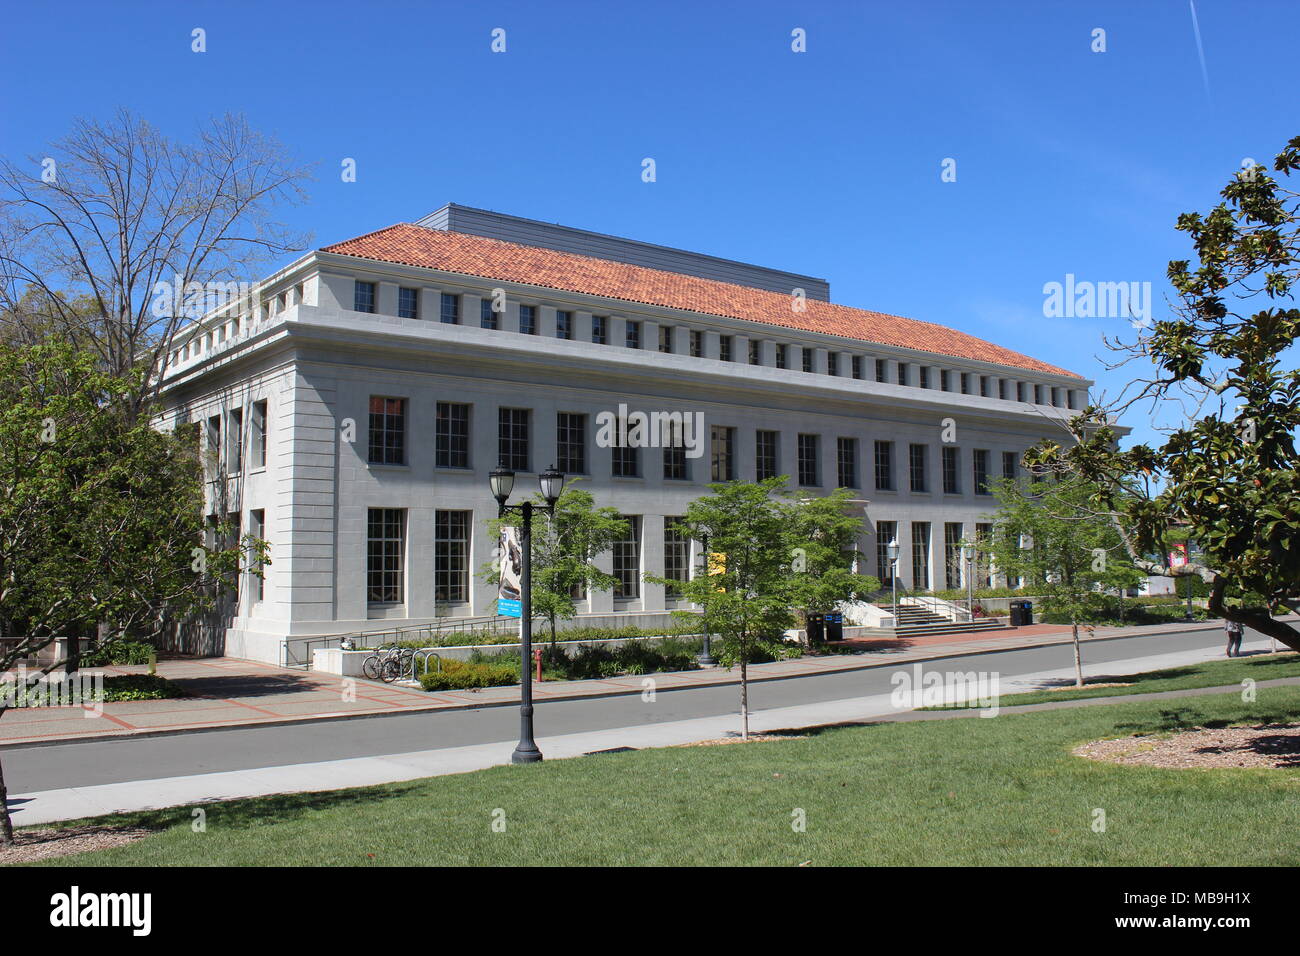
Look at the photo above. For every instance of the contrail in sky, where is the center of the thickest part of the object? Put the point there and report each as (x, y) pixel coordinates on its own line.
(1200, 49)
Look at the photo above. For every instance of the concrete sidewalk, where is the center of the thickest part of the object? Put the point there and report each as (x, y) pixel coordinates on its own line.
(234, 693)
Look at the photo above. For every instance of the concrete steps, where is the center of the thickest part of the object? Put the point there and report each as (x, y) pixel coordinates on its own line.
(915, 621)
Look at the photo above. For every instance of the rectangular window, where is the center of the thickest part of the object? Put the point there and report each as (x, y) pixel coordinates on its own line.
(920, 555)
(945, 380)
(807, 449)
(677, 467)
(697, 343)
(885, 465)
(918, 467)
(600, 329)
(627, 560)
(855, 364)
(832, 363)
(408, 303)
(1038, 395)
(807, 359)
(387, 430)
(882, 370)
(1010, 465)
(952, 569)
(1002, 389)
(724, 348)
(257, 436)
(563, 324)
(633, 338)
(450, 309)
(666, 338)
(571, 443)
(923, 371)
(451, 435)
(1022, 389)
(512, 438)
(755, 356)
(1009, 538)
(846, 455)
(235, 440)
(451, 557)
(723, 442)
(214, 440)
(626, 462)
(984, 386)
(363, 296)
(901, 371)
(677, 556)
(765, 460)
(528, 319)
(886, 532)
(781, 351)
(980, 466)
(983, 559)
(965, 383)
(487, 317)
(951, 471)
(257, 582)
(385, 555)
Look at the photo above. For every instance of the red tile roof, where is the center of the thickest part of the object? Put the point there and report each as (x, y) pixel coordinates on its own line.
(530, 265)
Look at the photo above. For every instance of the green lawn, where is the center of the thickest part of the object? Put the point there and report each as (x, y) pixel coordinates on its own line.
(1207, 674)
(967, 791)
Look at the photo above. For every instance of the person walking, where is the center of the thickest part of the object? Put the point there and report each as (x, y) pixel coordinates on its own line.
(1234, 630)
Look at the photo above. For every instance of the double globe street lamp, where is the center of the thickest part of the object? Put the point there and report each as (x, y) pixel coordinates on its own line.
(501, 482)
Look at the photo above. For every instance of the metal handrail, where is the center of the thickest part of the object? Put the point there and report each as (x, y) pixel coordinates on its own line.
(364, 640)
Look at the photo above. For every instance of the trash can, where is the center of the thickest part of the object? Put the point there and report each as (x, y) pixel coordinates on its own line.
(834, 627)
(816, 628)
(1022, 613)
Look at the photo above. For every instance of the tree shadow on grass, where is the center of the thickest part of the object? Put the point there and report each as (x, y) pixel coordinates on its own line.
(248, 812)
(1187, 718)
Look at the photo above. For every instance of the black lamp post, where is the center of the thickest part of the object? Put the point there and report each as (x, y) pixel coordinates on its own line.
(705, 657)
(502, 481)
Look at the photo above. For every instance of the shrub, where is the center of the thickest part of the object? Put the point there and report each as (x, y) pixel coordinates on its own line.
(118, 652)
(140, 687)
(117, 687)
(463, 675)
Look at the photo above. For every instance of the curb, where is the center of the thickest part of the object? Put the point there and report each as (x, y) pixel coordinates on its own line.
(754, 678)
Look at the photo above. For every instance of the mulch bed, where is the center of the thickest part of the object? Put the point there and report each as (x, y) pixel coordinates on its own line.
(1266, 746)
(753, 738)
(32, 845)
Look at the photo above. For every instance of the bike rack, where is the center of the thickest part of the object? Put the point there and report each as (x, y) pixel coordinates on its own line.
(424, 656)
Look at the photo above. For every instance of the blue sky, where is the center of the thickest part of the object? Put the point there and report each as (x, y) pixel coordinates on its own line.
(826, 162)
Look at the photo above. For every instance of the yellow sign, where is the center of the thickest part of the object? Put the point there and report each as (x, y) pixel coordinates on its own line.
(717, 564)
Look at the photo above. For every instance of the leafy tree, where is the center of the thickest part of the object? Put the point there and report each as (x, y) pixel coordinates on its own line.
(824, 533)
(1225, 369)
(747, 594)
(565, 547)
(1048, 533)
(100, 514)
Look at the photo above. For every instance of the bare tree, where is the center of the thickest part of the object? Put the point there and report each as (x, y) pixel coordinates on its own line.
(120, 234)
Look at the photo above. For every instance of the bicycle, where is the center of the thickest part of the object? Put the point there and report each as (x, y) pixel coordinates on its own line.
(389, 663)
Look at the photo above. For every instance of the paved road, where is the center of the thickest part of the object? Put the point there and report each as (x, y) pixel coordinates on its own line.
(108, 761)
